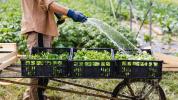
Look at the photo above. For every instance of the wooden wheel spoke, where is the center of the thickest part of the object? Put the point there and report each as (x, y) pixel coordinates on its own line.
(130, 90)
(125, 96)
(148, 93)
(143, 89)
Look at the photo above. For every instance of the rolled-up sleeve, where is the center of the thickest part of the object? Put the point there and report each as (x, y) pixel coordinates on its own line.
(38, 18)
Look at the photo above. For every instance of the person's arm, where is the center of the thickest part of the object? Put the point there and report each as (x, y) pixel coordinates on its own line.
(58, 8)
(75, 15)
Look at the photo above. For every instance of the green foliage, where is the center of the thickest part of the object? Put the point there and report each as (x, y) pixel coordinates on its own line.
(14, 37)
(92, 58)
(164, 12)
(164, 15)
(147, 38)
(128, 34)
(83, 36)
(141, 56)
(87, 55)
(80, 36)
(84, 57)
(169, 84)
(92, 55)
(48, 56)
(72, 34)
(45, 58)
(10, 17)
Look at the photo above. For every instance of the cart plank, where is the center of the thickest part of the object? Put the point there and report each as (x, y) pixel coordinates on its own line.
(8, 47)
(10, 74)
(3, 55)
(6, 56)
(8, 62)
(170, 62)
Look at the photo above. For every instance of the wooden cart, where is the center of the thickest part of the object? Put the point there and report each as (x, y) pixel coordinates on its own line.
(8, 54)
(170, 62)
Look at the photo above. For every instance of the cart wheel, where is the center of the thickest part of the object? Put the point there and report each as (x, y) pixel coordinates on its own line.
(138, 90)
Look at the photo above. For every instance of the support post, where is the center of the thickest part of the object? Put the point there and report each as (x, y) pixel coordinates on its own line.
(112, 9)
(131, 15)
(150, 14)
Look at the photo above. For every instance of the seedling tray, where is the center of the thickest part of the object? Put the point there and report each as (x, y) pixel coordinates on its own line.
(46, 67)
(138, 69)
(71, 68)
(92, 68)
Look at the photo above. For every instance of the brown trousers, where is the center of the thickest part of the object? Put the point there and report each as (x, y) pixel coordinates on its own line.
(32, 41)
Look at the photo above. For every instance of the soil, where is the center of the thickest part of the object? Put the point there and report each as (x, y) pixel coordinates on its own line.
(157, 43)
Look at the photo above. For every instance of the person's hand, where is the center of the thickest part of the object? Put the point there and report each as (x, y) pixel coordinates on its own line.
(60, 18)
(76, 16)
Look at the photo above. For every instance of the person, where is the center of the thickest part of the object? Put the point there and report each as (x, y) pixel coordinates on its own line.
(39, 27)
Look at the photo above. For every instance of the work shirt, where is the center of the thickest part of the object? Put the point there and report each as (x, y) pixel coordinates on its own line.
(37, 17)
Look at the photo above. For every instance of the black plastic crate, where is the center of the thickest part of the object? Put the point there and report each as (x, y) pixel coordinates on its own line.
(92, 68)
(89, 69)
(46, 67)
(70, 68)
(138, 69)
